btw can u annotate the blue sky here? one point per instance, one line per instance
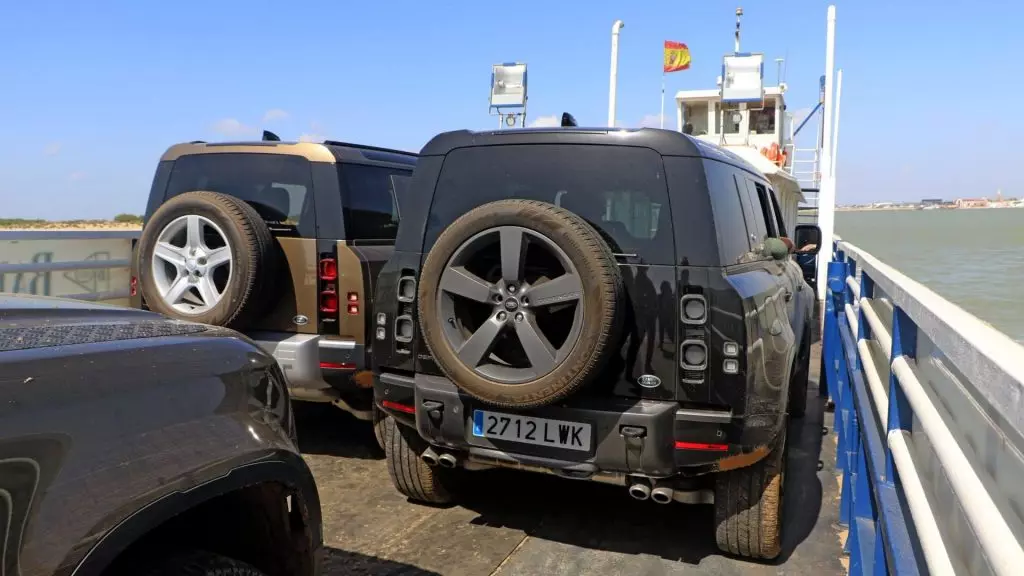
(90, 96)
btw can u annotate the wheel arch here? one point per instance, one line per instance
(287, 471)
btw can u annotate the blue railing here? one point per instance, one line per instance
(929, 412)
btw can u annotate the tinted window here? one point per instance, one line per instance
(370, 208)
(780, 224)
(620, 190)
(279, 187)
(763, 219)
(730, 225)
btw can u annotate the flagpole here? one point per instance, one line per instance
(663, 99)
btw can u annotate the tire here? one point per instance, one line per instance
(409, 473)
(255, 258)
(798, 383)
(200, 563)
(378, 425)
(602, 301)
(748, 507)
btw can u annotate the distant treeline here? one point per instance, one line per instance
(32, 222)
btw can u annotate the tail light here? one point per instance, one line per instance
(328, 269)
(328, 272)
(329, 301)
(133, 286)
(353, 303)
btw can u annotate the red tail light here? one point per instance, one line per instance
(328, 269)
(134, 286)
(701, 446)
(400, 407)
(353, 303)
(329, 302)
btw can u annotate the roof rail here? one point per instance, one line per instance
(198, 142)
(368, 147)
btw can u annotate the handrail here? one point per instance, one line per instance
(49, 263)
(991, 363)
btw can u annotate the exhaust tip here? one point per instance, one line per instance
(662, 495)
(640, 491)
(430, 457)
(447, 460)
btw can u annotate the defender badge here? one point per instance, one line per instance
(300, 320)
(649, 381)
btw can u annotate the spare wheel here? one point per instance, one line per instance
(520, 303)
(209, 258)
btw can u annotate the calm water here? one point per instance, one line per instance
(973, 258)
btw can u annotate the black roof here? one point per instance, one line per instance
(343, 151)
(665, 142)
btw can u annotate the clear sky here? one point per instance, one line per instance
(91, 93)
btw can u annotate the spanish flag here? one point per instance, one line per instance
(677, 56)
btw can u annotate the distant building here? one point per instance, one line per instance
(971, 203)
(932, 201)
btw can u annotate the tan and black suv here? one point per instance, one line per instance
(281, 241)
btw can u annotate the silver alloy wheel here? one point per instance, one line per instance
(191, 264)
(515, 301)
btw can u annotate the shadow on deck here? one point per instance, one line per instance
(518, 523)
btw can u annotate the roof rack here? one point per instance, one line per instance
(367, 147)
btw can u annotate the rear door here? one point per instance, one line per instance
(280, 188)
(619, 190)
(796, 296)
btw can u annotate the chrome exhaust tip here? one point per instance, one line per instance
(447, 460)
(430, 457)
(640, 491)
(662, 494)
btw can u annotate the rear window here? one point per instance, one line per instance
(279, 187)
(620, 190)
(371, 205)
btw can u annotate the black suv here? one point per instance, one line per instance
(613, 305)
(131, 444)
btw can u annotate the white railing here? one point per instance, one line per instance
(83, 265)
(930, 406)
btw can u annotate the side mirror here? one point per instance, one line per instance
(776, 248)
(808, 239)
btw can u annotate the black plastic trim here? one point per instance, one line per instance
(276, 466)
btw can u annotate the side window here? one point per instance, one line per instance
(762, 204)
(727, 210)
(756, 222)
(780, 224)
(370, 207)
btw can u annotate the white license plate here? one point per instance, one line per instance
(530, 430)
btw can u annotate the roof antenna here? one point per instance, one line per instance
(739, 12)
(568, 120)
(269, 136)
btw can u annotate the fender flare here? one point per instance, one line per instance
(276, 466)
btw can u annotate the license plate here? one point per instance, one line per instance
(530, 430)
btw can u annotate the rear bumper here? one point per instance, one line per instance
(649, 438)
(317, 368)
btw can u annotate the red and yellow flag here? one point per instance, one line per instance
(677, 56)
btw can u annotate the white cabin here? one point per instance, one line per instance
(756, 130)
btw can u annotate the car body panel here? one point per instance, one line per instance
(116, 409)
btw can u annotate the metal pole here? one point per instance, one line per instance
(835, 128)
(662, 100)
(613, 79)
(739, 12)
(827, 192)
